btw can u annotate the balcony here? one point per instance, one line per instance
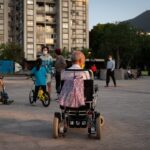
(50, 1)
(50, 11)
(40, 10)
(40, 18)
(49, 41)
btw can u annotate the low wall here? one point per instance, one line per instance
(120, 74)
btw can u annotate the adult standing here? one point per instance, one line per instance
(47, 62)
(110, 71)
(60, 65)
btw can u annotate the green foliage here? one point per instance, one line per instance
(65, 53)
(11, 51)
(121, 40)
(87, 52)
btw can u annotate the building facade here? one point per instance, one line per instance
(9, 21)
(3, 21)
(73, 25)
(35, 23)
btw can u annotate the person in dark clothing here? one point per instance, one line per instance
(60, 65)
(110, 71)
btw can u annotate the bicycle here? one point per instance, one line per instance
(42, 96)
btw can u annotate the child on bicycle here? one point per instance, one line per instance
(39, 72)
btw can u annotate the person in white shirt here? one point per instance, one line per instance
(110, 71)
(47, 62)
(78, 62)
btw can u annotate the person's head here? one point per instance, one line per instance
(45, 50)
(110, 57)
(78, 58)
(58, 51)
(38, 63)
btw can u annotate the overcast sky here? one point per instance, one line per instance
(104, 11)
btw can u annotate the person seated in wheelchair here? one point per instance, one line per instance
(72, 94)
(39, 72)
(4, 98)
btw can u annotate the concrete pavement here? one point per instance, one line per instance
(126, 109)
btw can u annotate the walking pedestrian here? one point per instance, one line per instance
(110, 71)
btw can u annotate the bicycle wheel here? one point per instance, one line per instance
(31, 95)
(46, 100)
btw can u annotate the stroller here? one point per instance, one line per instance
(80, 117)
(4, 98)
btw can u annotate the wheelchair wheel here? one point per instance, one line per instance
(55, 127)
(31, 95)
(98, 127)
(46, 100)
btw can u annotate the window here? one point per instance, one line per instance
(29, 28)
(30, 51)
(1, 6)
(79, 3)
(65, 19)
(30, 6)
(29, 1)
(65, 9)
(1, 32)
(65, 25)
(30, 46)
(1, 27)
(84, 3)
(65, 4)
(30, 35)
(29, 23)
(1, 21)
(30, 12)
(29, 17)
(65, 41)
(65, 36)
(65, 30)
(30, 40)
(65, 14)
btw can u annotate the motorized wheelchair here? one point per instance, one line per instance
(82, 117)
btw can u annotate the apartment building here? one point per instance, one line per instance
(9, 26)
(34, 23)
(3, 21)
(39, 26)
(73, 29)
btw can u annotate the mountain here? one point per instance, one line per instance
(141, 22)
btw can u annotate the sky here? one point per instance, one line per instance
(104, 11)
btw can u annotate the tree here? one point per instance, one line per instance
(117, 39)
(143, 56)
(65, 53)
(11, 51)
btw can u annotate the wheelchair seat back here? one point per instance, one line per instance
(88, 94)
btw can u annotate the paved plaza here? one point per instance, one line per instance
(126, 109)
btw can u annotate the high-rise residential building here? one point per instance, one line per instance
(55, 23)
(3, 21)
(73, 25)
(9, 21)
(40, 27)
